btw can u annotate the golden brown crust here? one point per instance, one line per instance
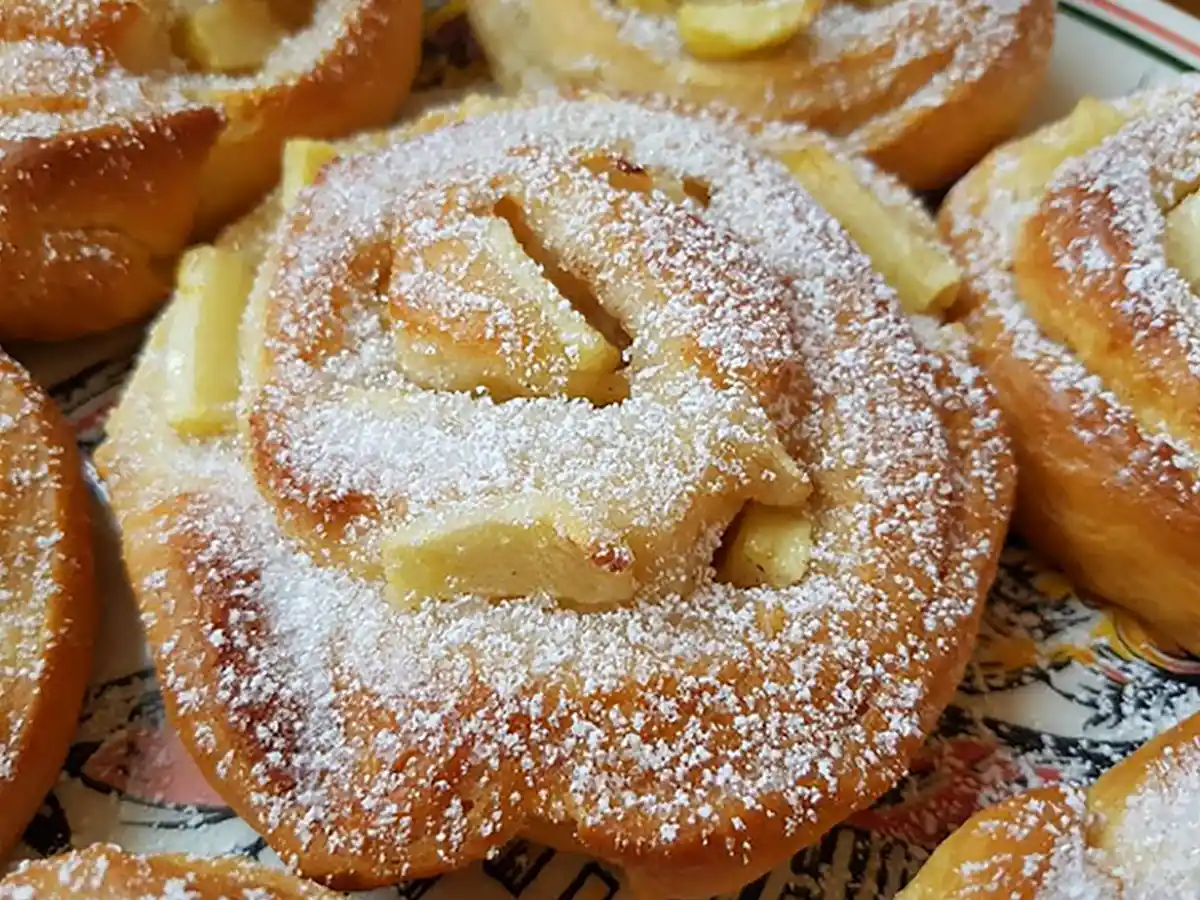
(361, 80)
(1130, 835)
(1130, 541)
(716, 798)
(934, 148)
(48, 610)
(121, 163)
(105, 870)
(977, 514)
(967, 74)
(1104, 490)
(81, 247)
(1013, 867)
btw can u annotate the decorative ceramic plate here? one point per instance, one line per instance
(1057, 689)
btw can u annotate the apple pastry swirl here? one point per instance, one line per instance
(567, 472)
(128, 126)
(1129, 836)
(1082, 245)
(923, 87)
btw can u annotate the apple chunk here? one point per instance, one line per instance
(519, 549)
(770, 547)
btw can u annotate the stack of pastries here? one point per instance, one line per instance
(623, 465)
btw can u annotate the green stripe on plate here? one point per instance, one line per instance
(1125, 37)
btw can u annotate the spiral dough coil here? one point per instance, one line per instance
(728, 516)
(105, 103)
(923, 87)
(1082, 305)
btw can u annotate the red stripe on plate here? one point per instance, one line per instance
(1149, 25)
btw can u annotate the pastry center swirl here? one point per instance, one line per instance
(539, 373)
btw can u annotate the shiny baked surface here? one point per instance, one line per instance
(104, 103)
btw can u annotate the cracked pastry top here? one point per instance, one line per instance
(565, 470)
(129, 126)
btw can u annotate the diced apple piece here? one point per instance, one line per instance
(520, 337)
(728, 30)
(201, 342)
(1183, 239)
(1045, 151)
(923, 273)
(520, 549)
(303, 160)
(781, 480)
(770, 547)
(230, 35)
(590, 356)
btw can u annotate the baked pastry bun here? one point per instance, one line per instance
(1081, 244)
(128, 126)
(923, 87)
(48, 609)
(1132, 835)
(568, 472)
(105, 870)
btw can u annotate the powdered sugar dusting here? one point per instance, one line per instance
(862, 70)
(678, 720)
(1157, 844)
(49, 88)
(667, 277)
(133, 40)
(91, 88)
(31, 564)
(1140, 845)
(1112, 200)
(986, 236)
(1075, 870)
(334, 24)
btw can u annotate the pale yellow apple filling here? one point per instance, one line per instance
(484, 550)
(907, 254)
(731, 29)
(234, 36)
